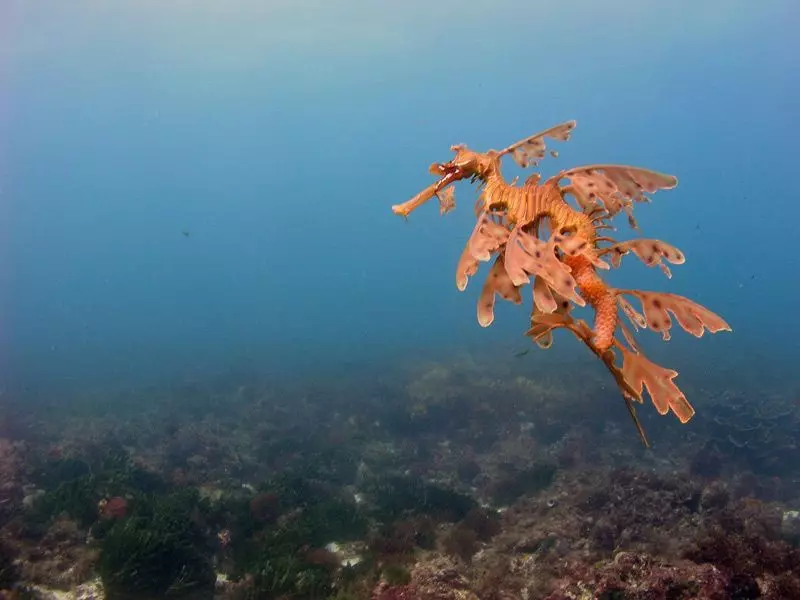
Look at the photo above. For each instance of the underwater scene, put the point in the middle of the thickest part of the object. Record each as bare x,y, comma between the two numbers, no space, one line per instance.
363,300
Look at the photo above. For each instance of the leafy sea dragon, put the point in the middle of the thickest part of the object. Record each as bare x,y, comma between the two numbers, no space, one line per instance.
533,231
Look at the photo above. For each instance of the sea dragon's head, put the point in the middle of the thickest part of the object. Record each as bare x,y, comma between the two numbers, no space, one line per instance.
466,164
481,165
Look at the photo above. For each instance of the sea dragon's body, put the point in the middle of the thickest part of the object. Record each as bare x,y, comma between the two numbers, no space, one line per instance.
532,204
565,263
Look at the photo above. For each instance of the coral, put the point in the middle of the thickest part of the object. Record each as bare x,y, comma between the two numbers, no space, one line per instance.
638,535
439,579
386,591
510,227
744,541
736,554
639,577
432,579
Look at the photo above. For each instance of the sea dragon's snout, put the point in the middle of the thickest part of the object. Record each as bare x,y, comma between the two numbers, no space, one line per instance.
448,174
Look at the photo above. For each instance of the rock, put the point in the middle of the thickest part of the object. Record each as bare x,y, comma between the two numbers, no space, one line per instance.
790,526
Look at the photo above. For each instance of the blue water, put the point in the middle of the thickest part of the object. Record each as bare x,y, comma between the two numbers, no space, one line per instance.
194,186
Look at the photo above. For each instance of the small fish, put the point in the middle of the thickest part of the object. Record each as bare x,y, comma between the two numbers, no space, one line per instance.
521,353
185,233
554,153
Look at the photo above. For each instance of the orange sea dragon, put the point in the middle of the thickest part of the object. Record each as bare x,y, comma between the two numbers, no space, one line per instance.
511,223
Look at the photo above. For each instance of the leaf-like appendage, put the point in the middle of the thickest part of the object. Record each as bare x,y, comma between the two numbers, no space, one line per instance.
531,150
543,297
541,331
486,238
649,251
574,245
588,204
636,318
628,337
615,186
466,268
543,322
691,316
447,200
641,373
529,154
527,255
497,283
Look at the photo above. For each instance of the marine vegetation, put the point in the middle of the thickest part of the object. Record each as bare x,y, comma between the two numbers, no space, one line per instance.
159,551
532,230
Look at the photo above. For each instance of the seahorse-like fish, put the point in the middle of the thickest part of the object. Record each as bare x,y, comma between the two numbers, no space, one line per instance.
533,231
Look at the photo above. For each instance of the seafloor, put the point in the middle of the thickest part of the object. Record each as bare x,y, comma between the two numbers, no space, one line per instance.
438,481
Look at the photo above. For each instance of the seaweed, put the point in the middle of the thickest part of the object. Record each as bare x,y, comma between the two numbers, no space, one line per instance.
288,556
75,497
314,456
398,497
395,574
74,485
519,483
159,551
9,572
